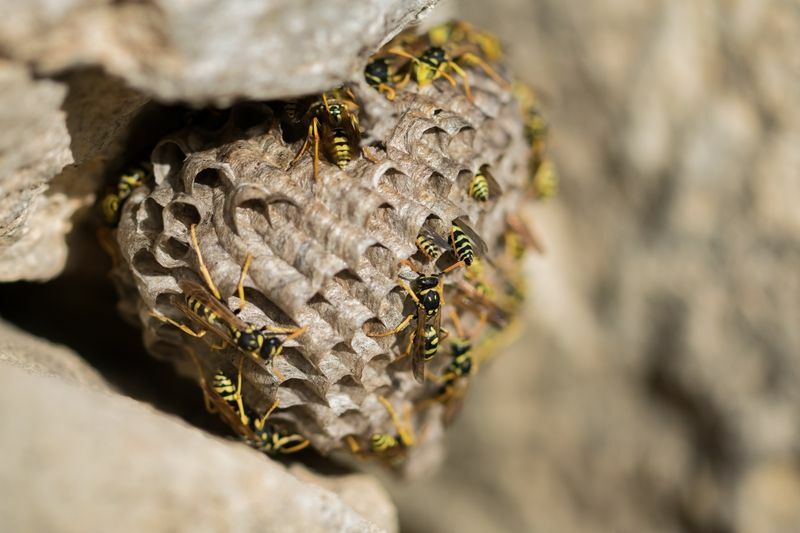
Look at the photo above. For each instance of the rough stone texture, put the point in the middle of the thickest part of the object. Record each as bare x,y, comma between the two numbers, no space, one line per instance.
147,472
58,140
657,387
44,358
207,51
326,254
34,147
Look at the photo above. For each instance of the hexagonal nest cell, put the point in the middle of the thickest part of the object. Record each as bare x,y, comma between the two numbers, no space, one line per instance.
327,252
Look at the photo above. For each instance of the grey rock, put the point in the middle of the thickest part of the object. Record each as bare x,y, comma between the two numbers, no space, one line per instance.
84,461
204,52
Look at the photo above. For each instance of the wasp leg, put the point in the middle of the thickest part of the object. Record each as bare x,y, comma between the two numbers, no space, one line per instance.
304,443
355,449
219,346
315,127
203,385
403,325
390,93
457,323
302,150
203,270
293,332
263,419
403,432
239,402
183,327
469,57
460,71
240,285
450,79
454,266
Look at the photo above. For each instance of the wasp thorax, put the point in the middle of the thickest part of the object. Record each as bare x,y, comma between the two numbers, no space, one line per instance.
310,234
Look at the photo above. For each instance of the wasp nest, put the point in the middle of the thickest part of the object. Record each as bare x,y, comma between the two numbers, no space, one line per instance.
327,252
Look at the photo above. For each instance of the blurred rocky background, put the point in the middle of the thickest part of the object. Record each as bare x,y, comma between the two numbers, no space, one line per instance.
655,387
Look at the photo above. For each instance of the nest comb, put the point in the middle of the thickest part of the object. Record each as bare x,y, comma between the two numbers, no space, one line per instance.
326,253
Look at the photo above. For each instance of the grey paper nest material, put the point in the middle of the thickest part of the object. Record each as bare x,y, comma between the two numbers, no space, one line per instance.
326,254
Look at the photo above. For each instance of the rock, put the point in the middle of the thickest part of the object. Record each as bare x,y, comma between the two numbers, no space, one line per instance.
34,147
207,52
82,460
44,358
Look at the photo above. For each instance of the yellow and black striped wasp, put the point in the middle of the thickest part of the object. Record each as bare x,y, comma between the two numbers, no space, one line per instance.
483,186
428,297
332,122
428,245
380,77
131,179
535,126
224,397
210,313
462,240
453,379
385,445
544,182
465,243
429,61
459,32
461,244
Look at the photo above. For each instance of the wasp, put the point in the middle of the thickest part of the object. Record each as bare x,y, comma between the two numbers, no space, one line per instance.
462,33
426,243
428,297
461,366
386,445
544,182
430,345
461,350
434,62
332,123
225,398
462,245
379,77
475,274
483,186
211,314
518,237
535,125
130,180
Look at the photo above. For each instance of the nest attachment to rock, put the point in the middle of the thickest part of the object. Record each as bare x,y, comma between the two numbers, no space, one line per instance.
328,254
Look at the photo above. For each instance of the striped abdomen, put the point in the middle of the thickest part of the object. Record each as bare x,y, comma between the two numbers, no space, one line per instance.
226,388
462,245
479,187
428,247
200,309
342,152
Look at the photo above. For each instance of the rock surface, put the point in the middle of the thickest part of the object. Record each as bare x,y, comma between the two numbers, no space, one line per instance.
147,472
205,51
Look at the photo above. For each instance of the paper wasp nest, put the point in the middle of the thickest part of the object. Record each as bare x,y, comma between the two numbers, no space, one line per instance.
326,253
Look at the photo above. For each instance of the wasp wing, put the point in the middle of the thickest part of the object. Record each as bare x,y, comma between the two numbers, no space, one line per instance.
418,350
222,312
494,187
477,242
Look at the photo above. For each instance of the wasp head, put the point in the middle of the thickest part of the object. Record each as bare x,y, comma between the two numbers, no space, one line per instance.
270,346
